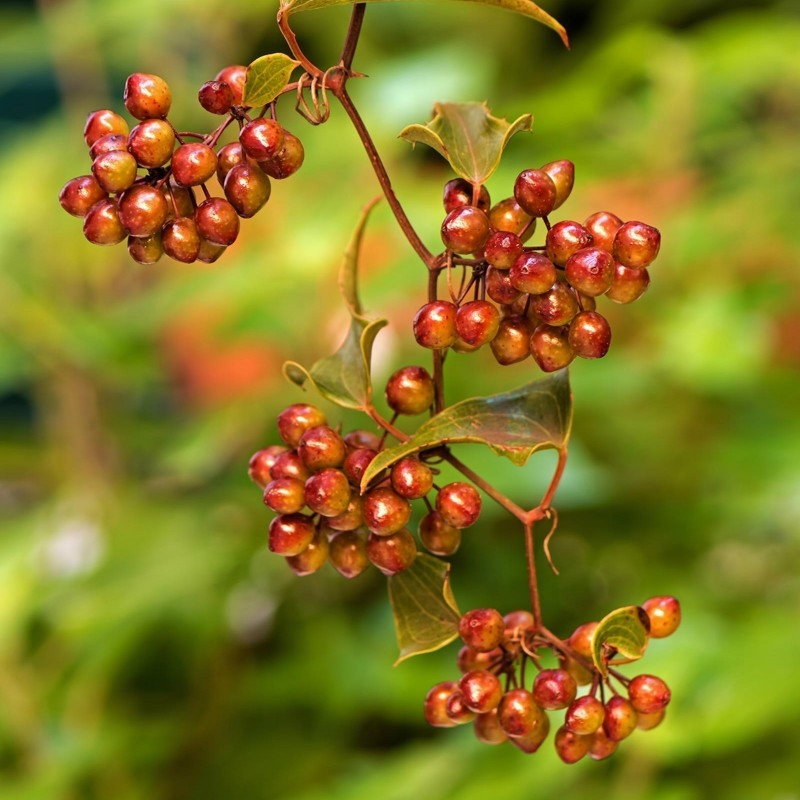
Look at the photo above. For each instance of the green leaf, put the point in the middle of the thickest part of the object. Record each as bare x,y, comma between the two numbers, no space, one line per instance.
524,7
514,424
468,136
425,612
345,377
266,78
627,630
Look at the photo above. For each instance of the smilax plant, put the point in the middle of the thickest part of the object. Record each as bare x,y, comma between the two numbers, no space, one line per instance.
346,498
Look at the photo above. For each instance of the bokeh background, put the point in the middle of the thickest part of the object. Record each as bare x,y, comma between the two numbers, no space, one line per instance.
151,647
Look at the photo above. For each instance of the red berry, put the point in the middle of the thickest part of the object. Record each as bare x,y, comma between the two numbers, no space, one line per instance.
193,164
80,194
456,709
101,123
147,96
590,335
477,322
321,448
557,306
554,689
435,702
289,465
107,144
410,391
570,747
356,463
235,76
459,504
458,192
636,245
550,348
465,230
295,420
603,227
600,746
481,691
145,249
290,534
312,558
181,240
261,138
143,210
516,622
437,536
348,554
115,171
513,341
287,160
284,496
562,173
411,478
385,512
350,519
585,715
620,719
566,238
532,273
216,97
488,728
535,191
151,143
261,463
327,493
530,742
580,640
508,216
228,156
470,659
646,722
648,694
435,325
217,221
590,271
519,714
628,284
664,612
102,225
502,249
392,554
247,189
482,629
499,286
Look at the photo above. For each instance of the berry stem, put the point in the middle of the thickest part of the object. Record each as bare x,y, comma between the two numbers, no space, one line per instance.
533,582
540,512
438,355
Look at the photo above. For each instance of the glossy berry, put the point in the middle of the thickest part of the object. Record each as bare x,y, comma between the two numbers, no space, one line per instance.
530,742
628,284
585,715
147,96
488,729
235,76
664,612
470,659
459,192
193,164
359,439
477,322
143,210
348,554
590,271
550,348
287,160
437,536
356,463
107,144
557,306
435,702
536,192
228,156
502,249
459,504
435,325
482,629
519,714
646,722
411,478
392,554
513,340
410,391
151,143
636,245
580,640
216,97
312,559
295,420
507,215
181,240
481,691
564,239
603,227
465,230
321,447
532,273
261,463
261,138
80,194
209,252
284,496
115,171
562,173
499,287
290,534
516,622
101,123
247,189
180,198
327,493
620,719
457,710
102,225
385,512
217,221
590,335
582,675
351,518
290,465
570,747
554,689
145,249
648,694
600,746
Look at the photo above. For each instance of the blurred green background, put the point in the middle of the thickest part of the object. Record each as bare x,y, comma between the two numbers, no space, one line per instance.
151,647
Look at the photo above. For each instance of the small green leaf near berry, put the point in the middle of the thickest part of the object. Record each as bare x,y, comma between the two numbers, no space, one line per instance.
625,631
266,78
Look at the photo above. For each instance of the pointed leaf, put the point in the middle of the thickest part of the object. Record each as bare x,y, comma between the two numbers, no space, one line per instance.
425,612
524,7
627,630
345,377
468,136
266,78
514,424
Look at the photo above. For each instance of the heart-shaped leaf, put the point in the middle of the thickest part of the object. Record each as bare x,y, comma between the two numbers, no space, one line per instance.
515,424
468,136
425,612
627,630
266,78
345,377
524,7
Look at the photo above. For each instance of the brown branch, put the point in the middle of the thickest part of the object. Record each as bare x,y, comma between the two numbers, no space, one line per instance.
353,32
294,45
533,583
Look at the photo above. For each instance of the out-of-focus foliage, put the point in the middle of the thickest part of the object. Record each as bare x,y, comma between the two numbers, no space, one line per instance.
151,648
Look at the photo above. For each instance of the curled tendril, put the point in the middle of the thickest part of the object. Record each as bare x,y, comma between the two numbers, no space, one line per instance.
551,513
318,91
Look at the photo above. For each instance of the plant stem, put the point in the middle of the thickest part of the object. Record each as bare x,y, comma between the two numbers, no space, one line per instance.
353,32
533,583
438,355
294,45
540,512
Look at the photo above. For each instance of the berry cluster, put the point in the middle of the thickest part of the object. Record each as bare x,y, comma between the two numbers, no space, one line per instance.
143,180
492,691
312,482
545,294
